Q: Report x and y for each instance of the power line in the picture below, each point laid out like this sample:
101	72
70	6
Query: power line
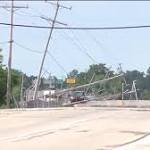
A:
80	47
97	42
40	52
26	48
101	45
83	49
4	42
55	60
21	13
36	11
78	28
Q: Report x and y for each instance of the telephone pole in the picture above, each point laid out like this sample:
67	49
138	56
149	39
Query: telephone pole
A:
12	9
122	91
10	57
45	52
54	21
21	91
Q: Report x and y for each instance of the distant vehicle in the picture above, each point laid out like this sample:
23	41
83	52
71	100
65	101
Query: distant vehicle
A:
49	95
77	96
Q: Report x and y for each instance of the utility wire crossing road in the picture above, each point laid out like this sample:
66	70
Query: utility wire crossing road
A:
77	28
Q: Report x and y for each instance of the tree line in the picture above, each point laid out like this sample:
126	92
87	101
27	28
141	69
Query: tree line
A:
95	72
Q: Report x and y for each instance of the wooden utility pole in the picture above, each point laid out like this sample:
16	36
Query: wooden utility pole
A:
21	91
122	91
48	41
12	9
45	52
10	57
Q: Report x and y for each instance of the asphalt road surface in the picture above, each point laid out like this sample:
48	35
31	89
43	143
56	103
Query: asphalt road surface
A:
76	128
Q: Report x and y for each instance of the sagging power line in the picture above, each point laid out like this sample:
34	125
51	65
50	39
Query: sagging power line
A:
78	28
84	48
40	52
76	42
56	61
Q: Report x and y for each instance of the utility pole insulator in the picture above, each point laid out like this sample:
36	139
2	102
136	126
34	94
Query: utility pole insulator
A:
60	6
50	20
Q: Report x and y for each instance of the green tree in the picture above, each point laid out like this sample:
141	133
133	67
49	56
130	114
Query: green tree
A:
3	81
74	73
15	84
146	94
1	57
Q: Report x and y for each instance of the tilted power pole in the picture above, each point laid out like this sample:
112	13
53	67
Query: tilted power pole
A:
45	52
134	89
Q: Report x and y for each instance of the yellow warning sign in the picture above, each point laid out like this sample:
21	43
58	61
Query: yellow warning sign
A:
71	80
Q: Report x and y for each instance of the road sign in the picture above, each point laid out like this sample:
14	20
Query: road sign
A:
71	80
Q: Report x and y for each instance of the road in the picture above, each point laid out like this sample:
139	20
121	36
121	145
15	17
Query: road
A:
75	128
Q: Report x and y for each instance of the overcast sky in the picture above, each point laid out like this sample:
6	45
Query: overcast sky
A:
129	47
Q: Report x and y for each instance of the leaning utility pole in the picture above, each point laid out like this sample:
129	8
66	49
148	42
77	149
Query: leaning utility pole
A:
8	94
45	52
93	76
134	88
